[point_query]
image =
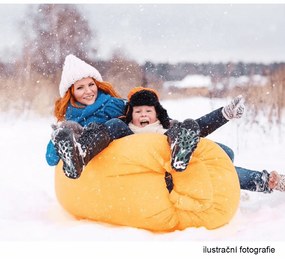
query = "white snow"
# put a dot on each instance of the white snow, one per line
(33, 224)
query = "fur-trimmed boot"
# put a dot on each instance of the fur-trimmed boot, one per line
(277, 181)
(77, 149)
(183, 138)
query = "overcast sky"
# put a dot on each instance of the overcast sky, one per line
(174, 33)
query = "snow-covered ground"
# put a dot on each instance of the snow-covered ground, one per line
(29, 210)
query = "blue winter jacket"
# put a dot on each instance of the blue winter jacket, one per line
(104, 108)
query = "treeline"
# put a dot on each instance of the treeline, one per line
(173, 72)
(124, 73)
(150, 72)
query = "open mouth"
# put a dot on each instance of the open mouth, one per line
(144, 123)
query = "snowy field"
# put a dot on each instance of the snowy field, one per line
(33, 225)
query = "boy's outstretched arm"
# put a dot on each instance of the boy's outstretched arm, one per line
(217, 118)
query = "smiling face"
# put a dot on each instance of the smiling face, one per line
(143, 115)
(85, 91)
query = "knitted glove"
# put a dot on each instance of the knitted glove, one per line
(235, 109)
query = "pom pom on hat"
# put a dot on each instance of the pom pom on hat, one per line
(75, 69)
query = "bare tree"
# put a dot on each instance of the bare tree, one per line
(51, 32)
(123, 73)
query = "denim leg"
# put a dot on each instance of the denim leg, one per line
(117, 128)
(253, 180)
(249, 179)
(228, 150)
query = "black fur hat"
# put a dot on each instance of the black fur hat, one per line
(146, 96)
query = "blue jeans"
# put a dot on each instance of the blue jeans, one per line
(249, 180)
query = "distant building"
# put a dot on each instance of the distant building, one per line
(190, 85)
(245, 81)
(199, 85)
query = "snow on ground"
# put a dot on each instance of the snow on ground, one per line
(30, 211)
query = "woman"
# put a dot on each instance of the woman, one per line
(85, 98)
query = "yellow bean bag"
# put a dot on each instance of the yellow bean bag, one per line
(124, 185)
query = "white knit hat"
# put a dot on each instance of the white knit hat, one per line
(75, 69)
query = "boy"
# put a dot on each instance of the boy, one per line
(144, 113)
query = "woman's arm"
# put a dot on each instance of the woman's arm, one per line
(52, 157)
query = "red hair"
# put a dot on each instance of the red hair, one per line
(61, 104)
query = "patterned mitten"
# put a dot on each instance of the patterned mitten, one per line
(235, 109)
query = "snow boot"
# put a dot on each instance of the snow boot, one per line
(281, 184)
(76, 153)
(68, 150)
(93, 140)
(183, 138)
(278, 180)
(261, 182)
